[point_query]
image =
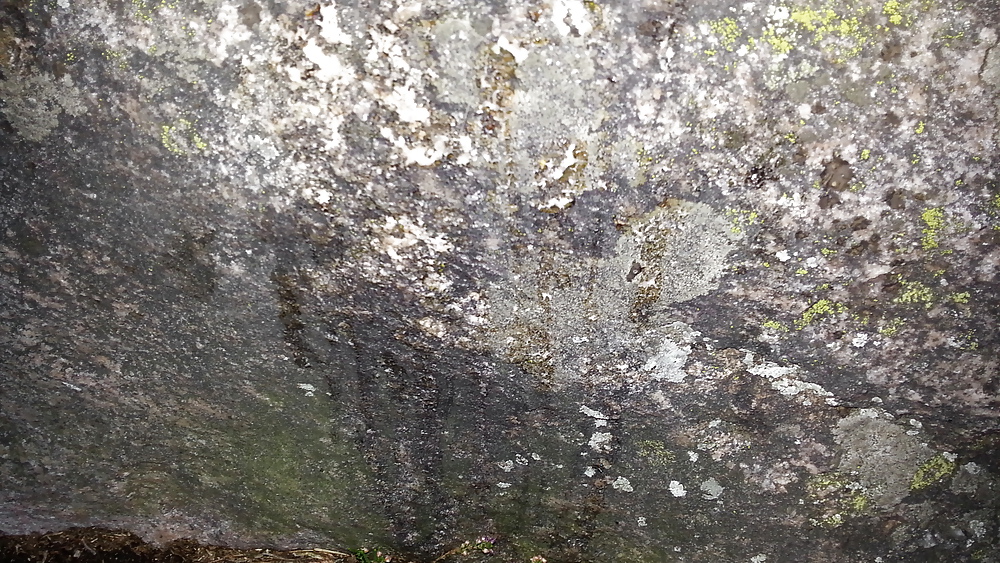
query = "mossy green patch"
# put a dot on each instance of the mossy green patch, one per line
(932, 471)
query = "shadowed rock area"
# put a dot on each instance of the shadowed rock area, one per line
(611, 281)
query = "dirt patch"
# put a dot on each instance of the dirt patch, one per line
(96, 545)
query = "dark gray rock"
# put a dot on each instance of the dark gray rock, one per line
(647, 281)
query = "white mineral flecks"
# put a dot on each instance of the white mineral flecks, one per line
(330, 26)
(329, 66)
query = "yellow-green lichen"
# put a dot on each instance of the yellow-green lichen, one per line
(837, 497)
(866, 154)
(819, 309)
(920, 128)
(741, 219)
(839, 28)
(779, 43)
(727, 30)
(655, 452)
(144, 9)
(116, 57)
(898, 13)
(962, 297)
(181, 138)
(968, 342)
(932, 471)
(891, 327)
(933, 218)
(814, 20)
(915, 293)
(775, 326)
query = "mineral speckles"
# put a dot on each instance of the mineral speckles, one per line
(571, 16)
(329, 67)
(401, 235)
(331, 31)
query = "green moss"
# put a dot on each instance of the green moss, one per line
(819, 309)
(932, 471)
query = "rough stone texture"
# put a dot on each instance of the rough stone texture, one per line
(621, 281)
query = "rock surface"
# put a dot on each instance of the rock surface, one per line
(657, 280)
